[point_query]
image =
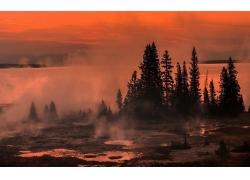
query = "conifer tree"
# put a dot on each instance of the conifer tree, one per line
(132, 98)
(33, 112)
(185, 88)
(46, 110)
(231, 101)
(102, 109)
(119, 100)
(241, 104)
(195, 95)
(235, 101)
(151, 83)
(168, 82)
(212, 98)
(178, 89)
(52, 111)
(206, 98)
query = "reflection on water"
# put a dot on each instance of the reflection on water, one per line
(119, 142)
(164, 144)
(107, 156)
(245, 127)
(202, 130)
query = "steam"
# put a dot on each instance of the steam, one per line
(117, 130)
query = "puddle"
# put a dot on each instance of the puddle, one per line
(203, 130)
(119, 142)
(245, 127)
(108, 156)
(164, 144)
(113, 156)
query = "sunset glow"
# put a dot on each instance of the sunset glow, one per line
(121, 88)
(114, 38)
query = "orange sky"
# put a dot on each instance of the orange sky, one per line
(119, 38)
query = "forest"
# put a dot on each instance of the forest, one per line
(164, 119)
(157, 94)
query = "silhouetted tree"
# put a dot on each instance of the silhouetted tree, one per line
(206, 105)
(46, 111)
(212, 98)
(119, 100)
(178, 89)
(52, 111)
(33, 112)
(231, 101)
(195, 95)
(185, 101)
(131, 101)
(168, 82)
(224, 91)
(151, 83)
(241, 104)
(234, 104)
(102, 109)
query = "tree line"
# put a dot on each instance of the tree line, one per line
(158, 93)
(49, 112)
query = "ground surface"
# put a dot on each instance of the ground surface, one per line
(143, 144)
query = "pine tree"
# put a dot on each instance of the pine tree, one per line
(46, 110)
(231, 101)
(178, 89)
(168, 82)
(195, 95)
(151, 83)
(185, 89)
(241, 104)
(119, 100)
(102, 109)
(52, 111)
(132, 98)
(206, 106)
(212, 98)
(236, 104)
(224, 91)
(33, 112)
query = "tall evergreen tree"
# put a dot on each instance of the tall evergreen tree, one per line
(212, 98)
(52, 111)
(46, 111)
(178, 89)
(206, 105)
(185, 89)
(224, 91)
(102, 109)
(168, 82)
(236, 104)
(132, 98)
(33, 112)
(119, 100)
(241, 104)
(231, 101)
(195, 95)
(151, 83)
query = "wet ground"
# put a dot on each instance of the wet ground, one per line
(142, 145)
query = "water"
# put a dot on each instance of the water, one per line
(75, 88)
(119, 142)
(106, 156)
